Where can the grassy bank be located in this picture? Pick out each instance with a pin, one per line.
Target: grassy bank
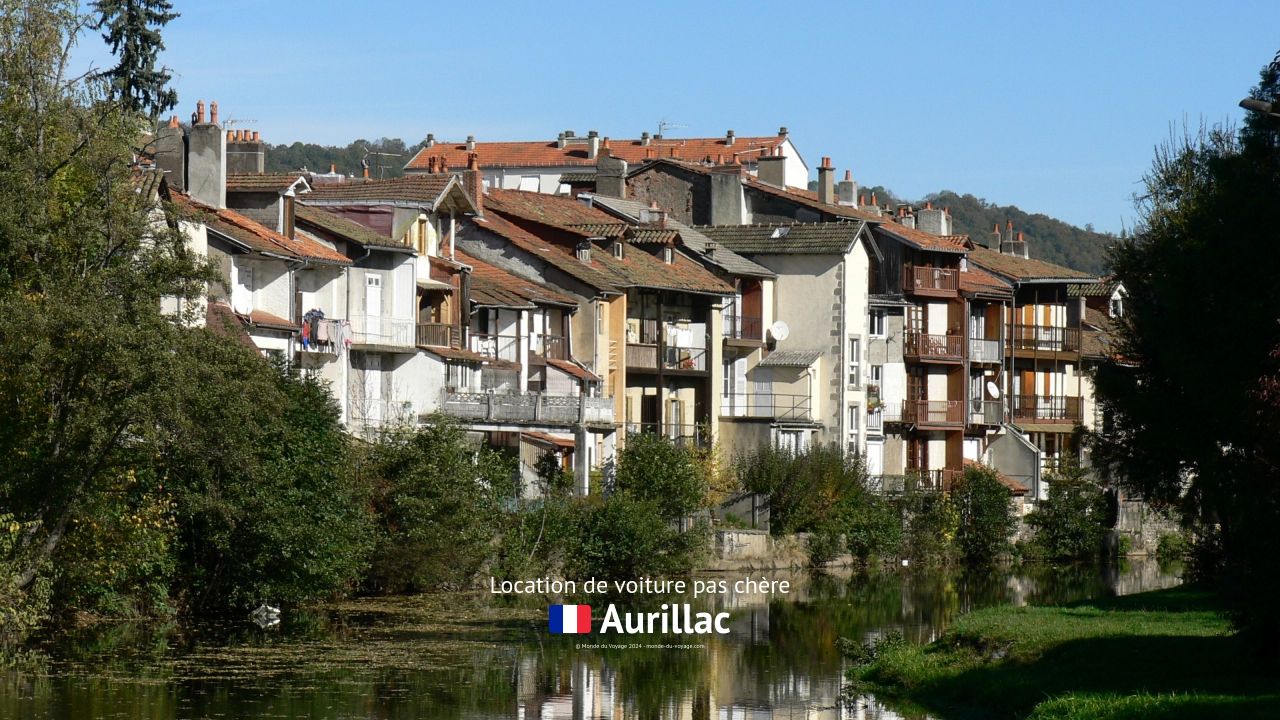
(1165, 654)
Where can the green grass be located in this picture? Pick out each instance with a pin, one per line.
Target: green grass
(1165, 654)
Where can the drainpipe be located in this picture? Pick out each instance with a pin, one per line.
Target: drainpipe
(453, 231)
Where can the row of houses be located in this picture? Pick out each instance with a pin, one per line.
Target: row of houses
(560, 296)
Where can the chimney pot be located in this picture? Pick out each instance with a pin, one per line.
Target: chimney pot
(333, 168)
(473, 161)
(256, 137)
(593, 133)
(173, 121)
(782, 131)
(213, 112)
(199, 111)
(848, 175)
(231, 135)
(728, 138)
(431, 140)
(471, 143)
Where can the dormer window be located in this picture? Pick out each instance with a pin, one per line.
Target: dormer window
(617, 250)
(668, 255)
(584, 252)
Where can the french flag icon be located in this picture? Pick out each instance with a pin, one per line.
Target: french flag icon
(569, 619)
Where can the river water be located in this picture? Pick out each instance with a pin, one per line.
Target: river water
(469, 656)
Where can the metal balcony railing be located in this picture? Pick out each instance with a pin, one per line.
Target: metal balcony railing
(933, 412)
(766, 405)
(744, 327)
(378, 330)
(985, 351)
(683, 435)
(1053, 339)
(498, 347)
(986, 412)
(1042, 408)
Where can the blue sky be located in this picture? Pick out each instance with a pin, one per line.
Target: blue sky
(1054, 107)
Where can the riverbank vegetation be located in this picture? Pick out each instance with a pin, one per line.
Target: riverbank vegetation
(1167, 654)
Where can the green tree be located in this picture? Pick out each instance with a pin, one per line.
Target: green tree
(1071, 523)
(653, 469)
(1197, 341)
(438, 503)
(133, 34)
(986, 520)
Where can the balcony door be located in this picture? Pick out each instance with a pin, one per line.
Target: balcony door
(373, 388)
(373, 304)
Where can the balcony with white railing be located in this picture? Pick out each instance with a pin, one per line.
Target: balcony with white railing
(982, 350)
(527, 408)
(986, 412)
(383, 331)
(1045, 409)
(497, 347)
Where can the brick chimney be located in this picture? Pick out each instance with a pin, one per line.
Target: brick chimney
(826, 181)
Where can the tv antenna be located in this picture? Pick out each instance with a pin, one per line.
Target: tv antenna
(364, 161)
(664, 125)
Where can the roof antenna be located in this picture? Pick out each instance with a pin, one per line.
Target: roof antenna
(664, 125)
(364, 161)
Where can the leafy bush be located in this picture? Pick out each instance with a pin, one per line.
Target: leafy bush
(1070, 523)
(811, 491)
(931, 523)
(985, 519)
(653, 469)
(625, 538)
(875, 528)
(1172, 547)
(438, 506)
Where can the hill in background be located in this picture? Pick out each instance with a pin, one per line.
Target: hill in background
(1048, 238)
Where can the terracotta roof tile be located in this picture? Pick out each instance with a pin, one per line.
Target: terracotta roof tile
(222, 320)
(1020, 268)
(547, 154)
(256, 236)
(636, 268)
(551, 253)
(1014, 486)
(268, 320)
(496, 287)
(923, 240)
(977, 280)
(412, 189)
(573, 369)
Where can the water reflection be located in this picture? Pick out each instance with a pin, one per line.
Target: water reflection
(456, 658)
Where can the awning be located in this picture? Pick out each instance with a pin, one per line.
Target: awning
(429, 284)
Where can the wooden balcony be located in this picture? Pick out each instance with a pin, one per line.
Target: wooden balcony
(934, 348)
(682, 435)
(678, 359)
(941, 414)
(1045, 409)
(438, 335)
(931, 281)
(1040, 341)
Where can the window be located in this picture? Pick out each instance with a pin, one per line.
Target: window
(855, 420)
(1117, 307)
(855, 360)
(877, 374)
(875, 323)
(529, 183)
(668, 255)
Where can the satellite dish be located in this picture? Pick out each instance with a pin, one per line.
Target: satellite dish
(779, 331)
(993, 390)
